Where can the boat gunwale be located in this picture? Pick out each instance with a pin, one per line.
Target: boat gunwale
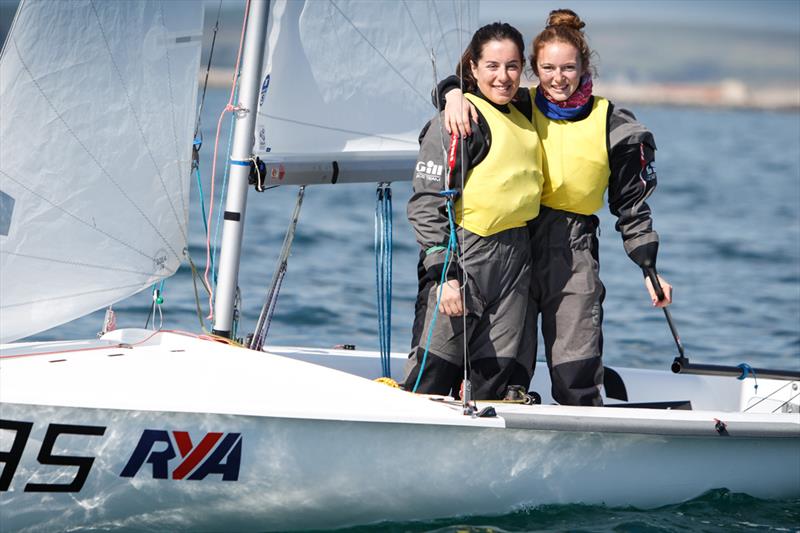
(532, 421)
(650, 426)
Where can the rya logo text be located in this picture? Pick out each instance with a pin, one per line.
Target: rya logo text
(215, 453)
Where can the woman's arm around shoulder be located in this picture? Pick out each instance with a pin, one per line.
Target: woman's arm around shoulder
(460, 113)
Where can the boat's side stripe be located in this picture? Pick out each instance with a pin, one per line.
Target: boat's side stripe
(643, 426)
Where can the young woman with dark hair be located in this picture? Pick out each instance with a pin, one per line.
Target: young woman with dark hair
(480, 191)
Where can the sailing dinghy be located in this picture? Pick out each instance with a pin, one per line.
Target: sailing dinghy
(168, 430)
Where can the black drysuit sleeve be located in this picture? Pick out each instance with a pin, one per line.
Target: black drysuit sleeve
(633, 179)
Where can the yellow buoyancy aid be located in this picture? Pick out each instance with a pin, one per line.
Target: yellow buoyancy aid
(503, 190)
(575, 162)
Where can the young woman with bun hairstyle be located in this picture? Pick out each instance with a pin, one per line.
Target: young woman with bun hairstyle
(590, 146)
(472, 200)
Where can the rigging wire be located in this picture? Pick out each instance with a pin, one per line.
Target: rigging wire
(196, 147)
(228, 108)
(271, 301)
(770, 395)
(205, 82)
(451, 245)
(433, 7)
(237, 302)
(787, 402)
(466, 396)
(195, 277)
(446, 185)
(416, 27)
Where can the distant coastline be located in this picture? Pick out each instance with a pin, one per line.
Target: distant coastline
(724, 94)
(727, 94)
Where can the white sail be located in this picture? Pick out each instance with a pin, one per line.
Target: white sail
(97, 100)
(341, 85)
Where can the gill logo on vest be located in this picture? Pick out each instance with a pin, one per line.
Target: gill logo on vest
(215, 453)
(429, 171)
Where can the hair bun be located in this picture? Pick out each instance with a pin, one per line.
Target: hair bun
(565, 17)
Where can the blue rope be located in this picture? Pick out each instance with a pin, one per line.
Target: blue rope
(202, 195)
(451, 247)
(747, 370)
(202, 198)
(388, 278)
(383, 273)
(378, 280)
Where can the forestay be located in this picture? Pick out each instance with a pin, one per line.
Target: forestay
(347, 85)
(98, 106)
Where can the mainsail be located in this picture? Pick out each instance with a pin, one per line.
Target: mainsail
(98, 105)
(345, 93)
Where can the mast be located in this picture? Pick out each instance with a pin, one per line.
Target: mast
(236, 200)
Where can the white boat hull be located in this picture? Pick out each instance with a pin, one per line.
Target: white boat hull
(339, 452)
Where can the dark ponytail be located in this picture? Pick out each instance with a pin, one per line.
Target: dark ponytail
(496, 31)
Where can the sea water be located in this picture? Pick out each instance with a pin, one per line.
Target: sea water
(727, 208)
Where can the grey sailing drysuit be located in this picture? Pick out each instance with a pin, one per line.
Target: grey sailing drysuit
(494, 271)
(566, 290)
